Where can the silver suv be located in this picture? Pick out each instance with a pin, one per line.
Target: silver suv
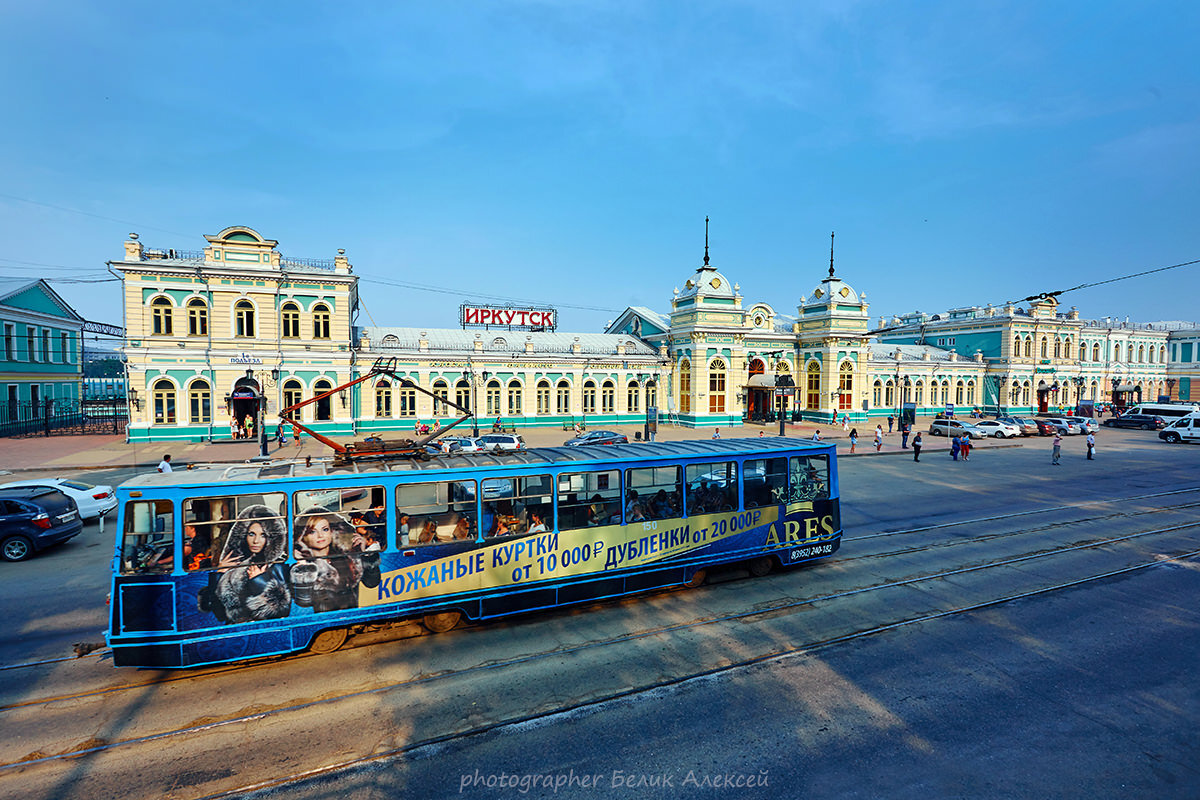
(953, 427)
(501, 442)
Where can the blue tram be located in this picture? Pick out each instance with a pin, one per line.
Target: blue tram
(219, 564)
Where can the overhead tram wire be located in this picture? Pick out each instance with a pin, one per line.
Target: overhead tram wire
(1047, 295)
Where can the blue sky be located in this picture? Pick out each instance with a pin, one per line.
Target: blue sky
(567, 152)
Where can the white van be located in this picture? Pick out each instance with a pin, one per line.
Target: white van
(1184, 429)
(1167, 411)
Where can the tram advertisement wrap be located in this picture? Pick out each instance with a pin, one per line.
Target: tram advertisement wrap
(567, 554)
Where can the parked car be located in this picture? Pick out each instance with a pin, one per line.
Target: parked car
(1064, 426)
(998, 429)
(1086, 424)
(434, 448)
(460, 444)
(92, 500)
(501, 442)
(33, 518)
(598, 437)
(948, 427)
(1144, 422)
(1184, 429)
(1028, 426)
(1044, 427)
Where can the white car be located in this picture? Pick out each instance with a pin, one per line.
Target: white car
(93, 501)
(499, 442)
(997, 429)
(465, 443)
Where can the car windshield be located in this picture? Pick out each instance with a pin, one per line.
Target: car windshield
(77, 485)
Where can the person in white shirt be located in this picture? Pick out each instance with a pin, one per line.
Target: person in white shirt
(817, 436)
(165, 465)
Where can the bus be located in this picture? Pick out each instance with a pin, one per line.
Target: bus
(1168, 411)
(223, 563)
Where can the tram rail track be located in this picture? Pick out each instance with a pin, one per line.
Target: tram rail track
(760, 611)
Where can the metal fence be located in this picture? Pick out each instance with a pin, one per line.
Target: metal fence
(63, 417)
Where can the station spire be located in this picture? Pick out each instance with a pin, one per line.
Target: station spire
(831, 254)
(706, 241)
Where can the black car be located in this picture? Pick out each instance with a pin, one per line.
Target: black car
(598, 437)
(33, 518)
(1146, 422)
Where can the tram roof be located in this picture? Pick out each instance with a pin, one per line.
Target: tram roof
(583, 455)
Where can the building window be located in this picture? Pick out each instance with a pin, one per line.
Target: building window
(164, 403)
(64, 344)
(716, 387)
(200, 403)
(1141, 354)
(1162, 354)
(197, 317)
(462, 393)
(876, 394)
(959, 393)
(651, 395)
(243, 311)
(1045, 350)
(47, 353)
(1026, 388)
(1029, 347)
(383, 399)
(1150, 353)
(846, 387)
(514, 399)
(160, 317)
(293, 393)
(919, 397)
(1096, 351)
(632, 396)
(408, 402)
(812, 398)
(324, 406)
(493, 398)
(1016, 346)
(1058, 348)
(290, 319)
(441, 394)
(321, 321)
(543, 398)
(685, 387)
(970, 393)
(889, 394)
(589, 397)
(563, 398)
(10, 345)
(30, 342)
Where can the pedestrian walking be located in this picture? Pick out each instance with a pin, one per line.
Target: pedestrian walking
(845, 422)
(890, 420)
(1057, 453)
(954, 446)
(879, 431)
(904, 429)
(1091, 446)
(164, 466)
(878, 438)
(853, 438)
(917, 446)
(965, 447)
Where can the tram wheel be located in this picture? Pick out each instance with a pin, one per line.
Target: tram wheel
(328, 640)
(761, 566)
(440, 623)
(698, 578)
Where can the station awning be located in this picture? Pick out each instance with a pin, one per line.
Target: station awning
(761, 382)
(1126, 387)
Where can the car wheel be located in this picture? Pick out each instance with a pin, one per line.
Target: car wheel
(998, 435)
(1145, 427)
(16, 548)
(1173, 438)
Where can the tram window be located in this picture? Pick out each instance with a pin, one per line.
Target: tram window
(356, 517)
(764, 482)
(711, 487)
(148, 544)
(588, 499)
(515, 506)
(234, 530)
(431, 513)
(654, 492)
(809, 478)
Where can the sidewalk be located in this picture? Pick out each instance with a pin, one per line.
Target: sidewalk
(55, 453)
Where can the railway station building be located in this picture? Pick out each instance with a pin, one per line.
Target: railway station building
(235, 331)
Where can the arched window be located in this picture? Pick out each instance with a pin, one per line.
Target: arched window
(243, 324)
(1016, 346)
(199, 403)
(1096, 351)
(1045, 351)
(970, 393)
(919, 393)
(462, 393)
(543, 397)
(589, 396)
(164, 402)
(1150, 353)
(493, 398)
(945, 392)
(632, 396)
(1057, 348)
(515, 394)
(562, 398)
(1029, 347)
(651, 394)
(383, 399)
(1129, 354)
(408, 400)
(1141, 354)
(608, 397)
(890, 394)
(877, 394)
(1083, 351)
(716, 386)
(161, 317)
(321, 321)
(685, 387)
(1014, 394)
(197, 317)
(1026, 388)
(846, 386)
(1095, 390)
(813, 388)
(959, 393)
(324, 407)
(1162, 354)
(293, 393)
(289, 317)
(441, 394)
